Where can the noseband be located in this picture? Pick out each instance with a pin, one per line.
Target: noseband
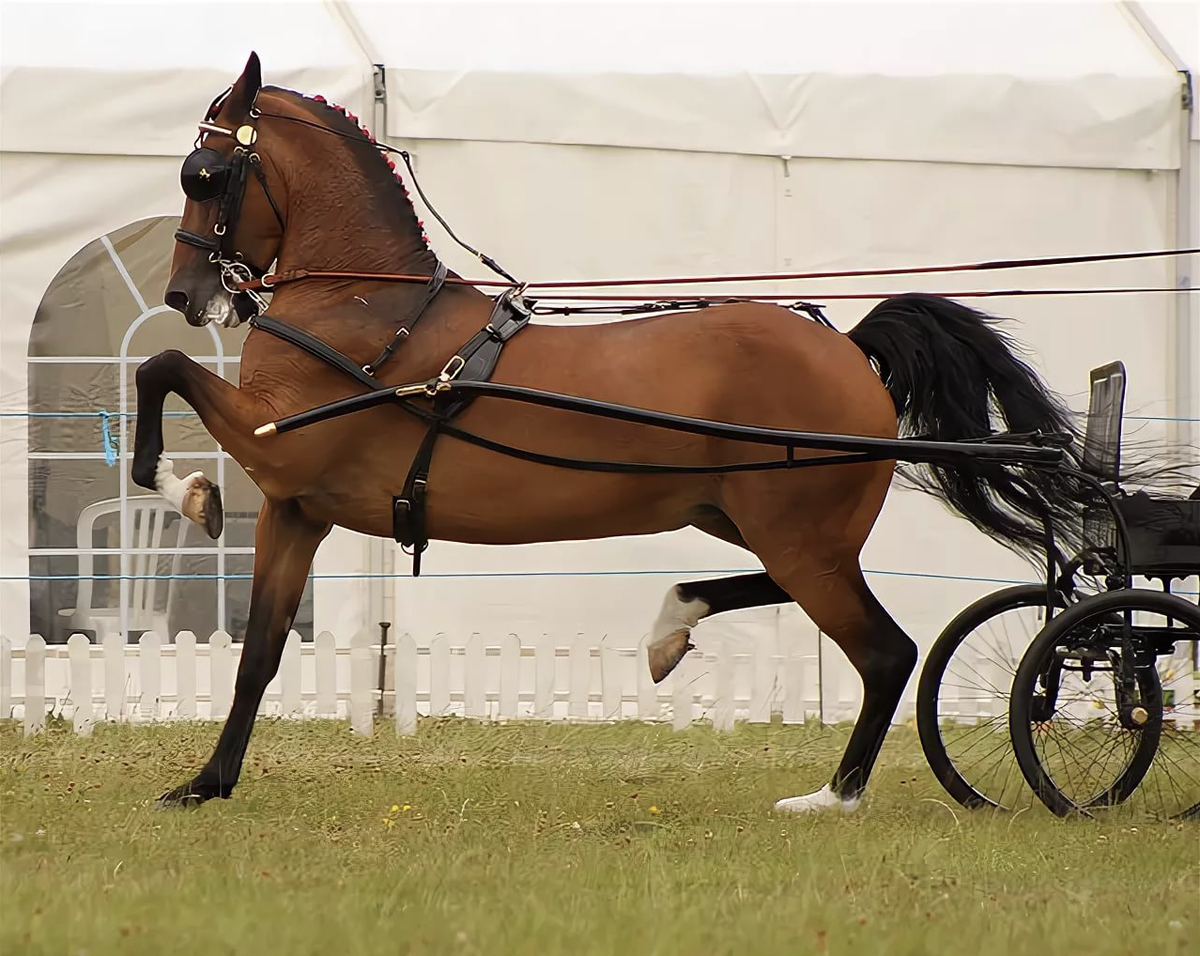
(208, 176)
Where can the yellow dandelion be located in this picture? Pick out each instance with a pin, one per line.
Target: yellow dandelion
(405, 808)
(654, 810)
(389, 822)
(395, 808)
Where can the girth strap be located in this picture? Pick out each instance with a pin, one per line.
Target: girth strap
(408, 509)
(476, 361)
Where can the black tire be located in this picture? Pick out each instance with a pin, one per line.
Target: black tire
(954, 778)
(1059, 631)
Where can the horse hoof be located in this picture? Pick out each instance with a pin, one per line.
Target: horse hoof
(202, 504)
(823, 799)
(664, 655)
(188, 795)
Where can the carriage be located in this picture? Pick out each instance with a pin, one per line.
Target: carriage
(644, 426)
(1091, 684)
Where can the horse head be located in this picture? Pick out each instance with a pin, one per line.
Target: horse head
(231, 228)
(277, 177)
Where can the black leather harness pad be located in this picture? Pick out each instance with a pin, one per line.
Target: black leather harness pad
(479, 357)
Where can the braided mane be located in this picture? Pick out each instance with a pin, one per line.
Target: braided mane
(366, 134)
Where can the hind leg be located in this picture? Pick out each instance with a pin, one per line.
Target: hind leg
(687, 603)
(809, 537)
(837, 599)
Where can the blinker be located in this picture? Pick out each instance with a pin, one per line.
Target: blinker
(204, 175)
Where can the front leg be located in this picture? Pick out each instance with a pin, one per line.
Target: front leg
(229, 414)
(285, 542)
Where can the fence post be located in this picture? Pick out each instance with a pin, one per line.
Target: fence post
(681, 692)
(325, 663)
(362, 683)
(115, 679)
(439, 675)
(611, 684)
(794, 672)
(79, 657)
(6, 669)
(405, 673)
(220, 662)
(185, 675)
(647, 691)
(475, 677)
(762, 681)
(150, 661)
(35, 685)
(543, 678)
(289, 676)
(723, 703)
(579, 679)
(510, 675)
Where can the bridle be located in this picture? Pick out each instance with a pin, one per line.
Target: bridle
(208, 176)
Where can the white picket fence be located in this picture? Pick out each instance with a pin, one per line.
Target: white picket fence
(583, 678)
(800, 676)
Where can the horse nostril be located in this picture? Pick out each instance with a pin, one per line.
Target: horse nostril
(177, 300)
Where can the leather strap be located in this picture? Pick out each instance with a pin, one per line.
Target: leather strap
(436, 282)
(295, 275)
(315, 347)
(408, 510)
(197, 240)
(482, 351)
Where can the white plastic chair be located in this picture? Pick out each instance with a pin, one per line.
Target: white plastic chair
(148, 517)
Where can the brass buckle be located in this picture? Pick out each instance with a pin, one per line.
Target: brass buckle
(450, 372)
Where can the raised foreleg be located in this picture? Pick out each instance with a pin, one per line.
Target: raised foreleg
(229, 414)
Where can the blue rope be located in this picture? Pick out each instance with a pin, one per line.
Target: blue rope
(106, 439)
(182, 414)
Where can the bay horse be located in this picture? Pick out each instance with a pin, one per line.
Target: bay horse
(282, 178)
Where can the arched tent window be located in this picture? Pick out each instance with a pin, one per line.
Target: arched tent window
(92, 562)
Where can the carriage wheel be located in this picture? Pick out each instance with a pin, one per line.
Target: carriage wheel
(1103, 701)
(963, 695)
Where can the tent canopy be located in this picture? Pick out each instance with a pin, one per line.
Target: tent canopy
(1073, 84)
(133, 79)
(1002, 83)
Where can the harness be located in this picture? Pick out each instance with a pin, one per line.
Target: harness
(208, 176)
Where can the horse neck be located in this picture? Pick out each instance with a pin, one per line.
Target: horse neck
(343, 218)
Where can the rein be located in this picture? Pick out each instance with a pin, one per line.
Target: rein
(295, 275)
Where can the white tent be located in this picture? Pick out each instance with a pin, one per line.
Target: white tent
(596, 140)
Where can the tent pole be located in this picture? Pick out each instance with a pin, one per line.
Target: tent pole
(1187, 335)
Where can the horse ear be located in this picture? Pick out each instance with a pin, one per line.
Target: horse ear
(248, 84)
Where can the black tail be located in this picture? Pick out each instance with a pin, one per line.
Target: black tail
(954, 376)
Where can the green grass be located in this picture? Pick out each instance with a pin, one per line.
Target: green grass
(544, 839)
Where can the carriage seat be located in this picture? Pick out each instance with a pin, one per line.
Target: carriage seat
(1164, 534)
